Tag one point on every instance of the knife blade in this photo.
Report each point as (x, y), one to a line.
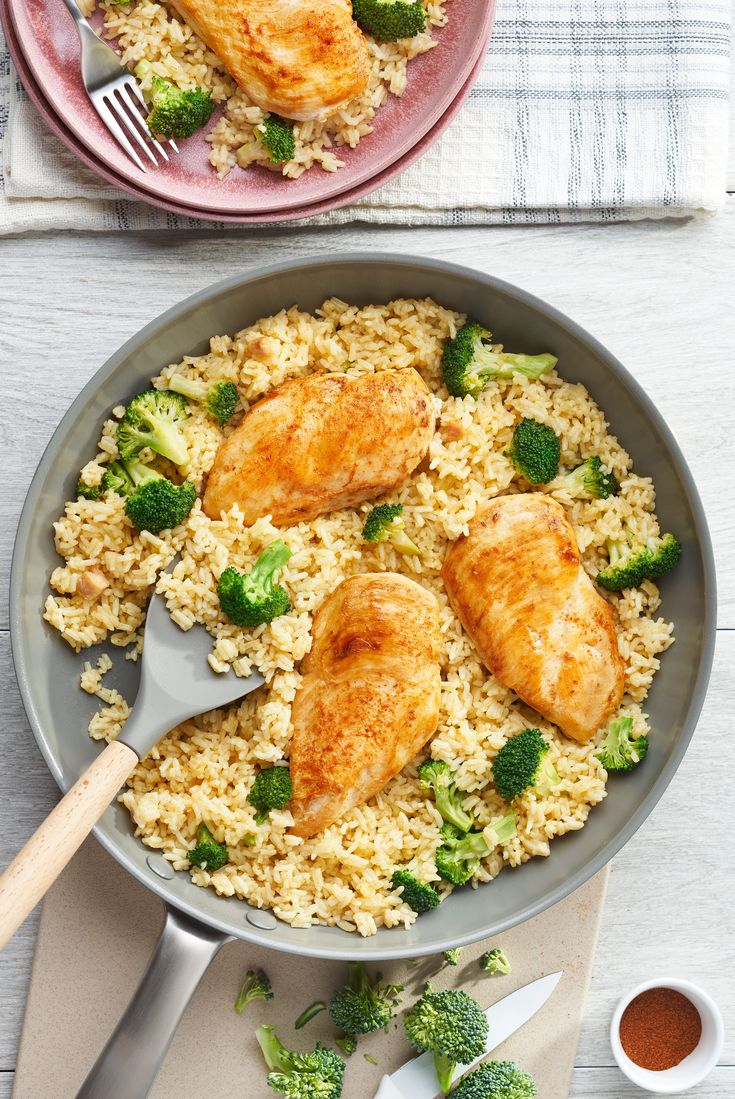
(417, 1079)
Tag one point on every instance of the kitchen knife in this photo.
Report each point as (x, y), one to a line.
(417, 1079)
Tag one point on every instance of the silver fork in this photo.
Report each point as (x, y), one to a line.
(115, 94)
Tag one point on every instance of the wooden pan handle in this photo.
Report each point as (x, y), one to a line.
(37, 866)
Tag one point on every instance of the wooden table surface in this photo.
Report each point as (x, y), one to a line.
(659, 295)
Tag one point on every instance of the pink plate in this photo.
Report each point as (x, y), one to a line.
(48, 39)
(134, 189)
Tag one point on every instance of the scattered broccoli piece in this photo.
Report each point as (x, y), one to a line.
(219, 398)
(449, 1024)
(315, 1075)
(256, 986)
(523, 762)
(384, 523)
(389, 20)
(251, 598)
(152, 420)
(208, 854)
(535, 451)
(470, 361)
(308, 1014)
(632, 562)
(272, 789)
(590, 480)
(158, 504)
(421, 896)
(436, 775)
(495, 961)
(173, 112)
(370, 1059)
(460, 853)
(361, 1007)
(496, 1080)
(619, 752)
(117, 479)
(277, 136)
(451, 957)
(89, 492)
(347, 1043)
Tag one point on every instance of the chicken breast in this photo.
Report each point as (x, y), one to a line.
(517, 584)
(323, 442)
(369, 698)
(298, 58)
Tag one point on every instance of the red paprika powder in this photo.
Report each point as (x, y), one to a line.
(659, 1028)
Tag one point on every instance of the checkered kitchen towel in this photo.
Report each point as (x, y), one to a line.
(585, 110)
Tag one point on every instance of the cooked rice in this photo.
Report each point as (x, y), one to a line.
(204, 769)
(145, 29)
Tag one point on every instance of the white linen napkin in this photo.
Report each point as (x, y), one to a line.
(585, 110)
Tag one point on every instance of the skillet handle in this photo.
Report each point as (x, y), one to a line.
(129, 1063)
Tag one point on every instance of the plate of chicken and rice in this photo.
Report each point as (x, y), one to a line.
(450, 563)
(275, 108)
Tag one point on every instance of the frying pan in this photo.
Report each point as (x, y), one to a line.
(198, 921)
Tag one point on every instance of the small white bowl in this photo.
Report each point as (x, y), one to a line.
(694, 1068)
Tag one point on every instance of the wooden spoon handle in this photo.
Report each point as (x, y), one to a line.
(39, 863)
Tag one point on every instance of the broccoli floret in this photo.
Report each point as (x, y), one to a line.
(152, 420)
(251, 598)
(523, 762)
(88, 492)
(451, 957)
(256, 986)
(496, 1080)
(421, 896)
(590, 480)
(619, 752)
(438, 776)
(389, 20)
(219, 398)
(361, 1007)
(159, 504)
(315, 1075)
(117, 479)
(384, 523)
(309, 1013)
(470, 361)
(449, 1024)
(535, 451)
(632, 562)
(495, 961)
(173, 112)
(460, 853)
(272, 789)
(347, 1043)
(277, 136)
(208, 854)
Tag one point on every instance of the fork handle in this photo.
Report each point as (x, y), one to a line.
(36, 867)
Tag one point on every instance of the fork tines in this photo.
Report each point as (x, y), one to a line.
(120, 105)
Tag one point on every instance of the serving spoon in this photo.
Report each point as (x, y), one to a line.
(176, 683)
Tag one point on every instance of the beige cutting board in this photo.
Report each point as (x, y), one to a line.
(99, 926)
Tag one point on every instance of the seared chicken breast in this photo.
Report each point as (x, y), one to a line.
(323, 442)
(369, 698)
(298, 58)
(517, 584)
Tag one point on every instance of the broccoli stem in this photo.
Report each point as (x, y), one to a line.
(188, 387)
(168, 437)
(273, 1049)
(308, 1014)
(267, 569)
(444, 1071)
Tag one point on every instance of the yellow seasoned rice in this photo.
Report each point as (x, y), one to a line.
(147, 30)
(204, 769)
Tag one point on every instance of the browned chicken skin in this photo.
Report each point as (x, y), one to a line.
(299, 58)
(517, 585)
(369, 699)
(320, 443)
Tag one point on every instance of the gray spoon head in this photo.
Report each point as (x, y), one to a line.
(176, 681)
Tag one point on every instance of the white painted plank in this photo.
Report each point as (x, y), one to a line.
(6, 1085)
(657, 294)
(668, 910)
(611, 1084)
